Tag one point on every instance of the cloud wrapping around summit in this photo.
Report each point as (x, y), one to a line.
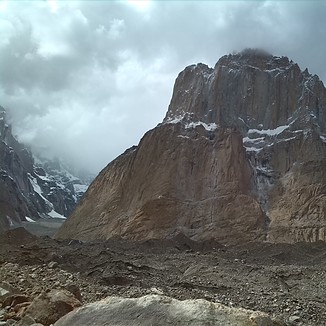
(84, 80)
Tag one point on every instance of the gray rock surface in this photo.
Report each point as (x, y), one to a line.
(7, 290)
(161, 310)
(31, 188)
(248, 89)
(4, 224)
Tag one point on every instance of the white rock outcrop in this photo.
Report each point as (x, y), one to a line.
(162, 311)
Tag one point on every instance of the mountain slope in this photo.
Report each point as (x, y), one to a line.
(240, 156)
(31, 188)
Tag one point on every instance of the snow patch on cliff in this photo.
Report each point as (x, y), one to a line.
(269, 132)
(38, 190)
(193, 124)
(54, 214)
(175, 119)
(207, 126)
(253, 149)
(28, 219)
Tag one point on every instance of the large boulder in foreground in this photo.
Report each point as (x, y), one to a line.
(161, 311)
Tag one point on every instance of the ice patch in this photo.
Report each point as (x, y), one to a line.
(264, 169)
(252, 149)
(176, 119)
(275, 71)
(28, 219)
(323, 138)
(35, 185)
(207, 75)
(269, 132)
(272, 70)
(208, 127)
(43, 178)
(38, 189)
(257, 141)
(286, 139)
(54, 214)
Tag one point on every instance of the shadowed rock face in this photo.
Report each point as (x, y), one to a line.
(28, 188)
(240, 156)
(251, 87)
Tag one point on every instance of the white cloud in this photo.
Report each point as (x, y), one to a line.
(86, 79)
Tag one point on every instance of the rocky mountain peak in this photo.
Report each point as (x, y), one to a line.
(254, 58)
(240, 156)
(246, 90)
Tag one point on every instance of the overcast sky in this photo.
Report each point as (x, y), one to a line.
(85, 80)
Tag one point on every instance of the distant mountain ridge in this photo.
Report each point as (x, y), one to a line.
(32, 187)
(240, 156)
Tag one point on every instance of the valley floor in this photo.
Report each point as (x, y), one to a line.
(43, 227)
(286, 281)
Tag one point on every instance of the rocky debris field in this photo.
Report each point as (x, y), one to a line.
(286, 281)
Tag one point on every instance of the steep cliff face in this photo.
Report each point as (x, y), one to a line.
(30, 189)
(240, 156)
(177, 180)
(248, 89)
(16, 162)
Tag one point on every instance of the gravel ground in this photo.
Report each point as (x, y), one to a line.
(286, 281)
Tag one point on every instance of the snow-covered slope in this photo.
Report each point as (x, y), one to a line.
(33, 187)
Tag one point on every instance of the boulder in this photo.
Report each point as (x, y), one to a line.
(161, 310)
(7, 290)
(48, 307)
(15, 299)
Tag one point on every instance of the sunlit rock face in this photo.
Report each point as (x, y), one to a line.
(240, 156)
(162, 310)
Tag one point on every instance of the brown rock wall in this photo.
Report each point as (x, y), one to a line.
(197, 197)
(239, 157)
